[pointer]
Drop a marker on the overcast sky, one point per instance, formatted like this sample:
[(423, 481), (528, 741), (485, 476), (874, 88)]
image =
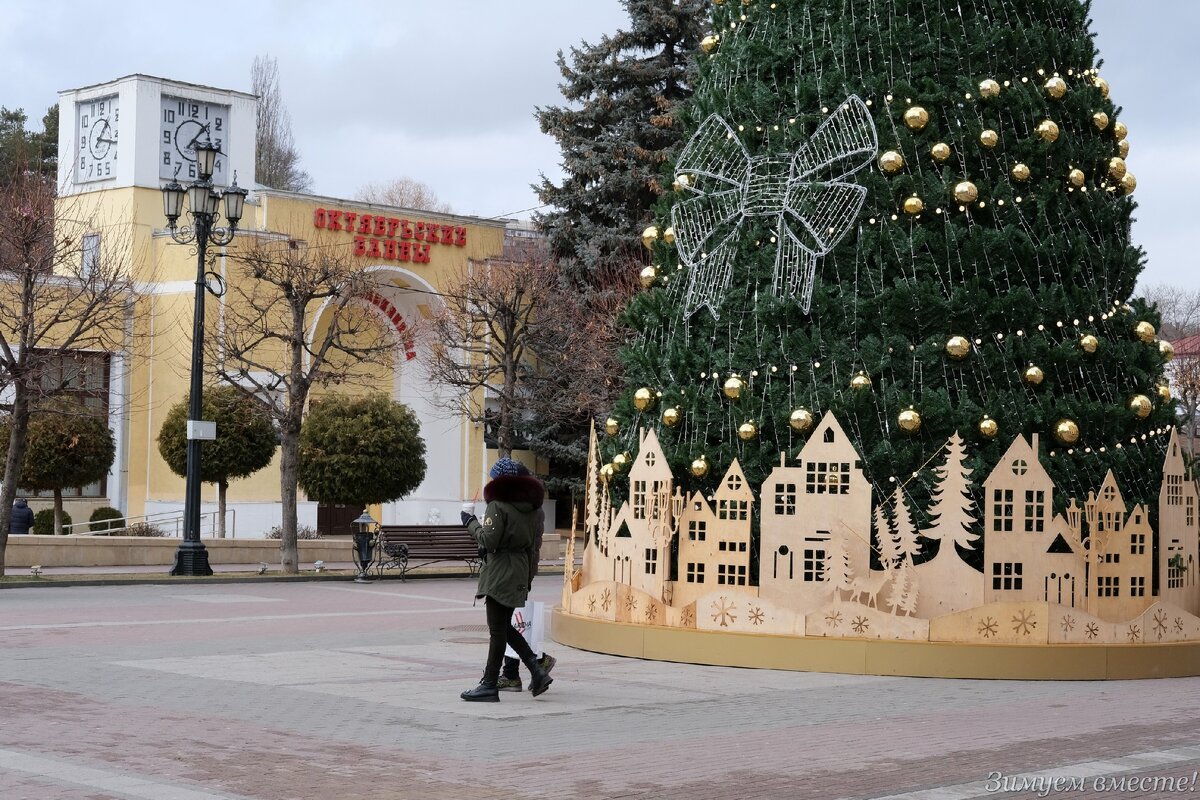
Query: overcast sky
[(444, 91)]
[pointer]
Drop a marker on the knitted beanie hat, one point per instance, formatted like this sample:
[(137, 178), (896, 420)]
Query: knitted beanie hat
[(504, 467)]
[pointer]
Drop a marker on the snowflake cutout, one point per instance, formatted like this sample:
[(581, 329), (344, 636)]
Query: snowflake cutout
[(860, 625), (833, 619), (988, 627), (1179, 624), (723, 612), (606, 599), (1135, 633), (687, 617), (1092, 630), (757, 615), (651, 612), (1023, 622), (1160, 622), (1067, 624), (630, 603), (592, 603)]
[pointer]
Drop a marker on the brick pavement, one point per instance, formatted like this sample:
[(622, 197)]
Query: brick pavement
[(330, 689)]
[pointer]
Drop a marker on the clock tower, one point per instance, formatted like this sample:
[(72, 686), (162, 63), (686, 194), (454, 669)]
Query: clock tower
[(138, 131)]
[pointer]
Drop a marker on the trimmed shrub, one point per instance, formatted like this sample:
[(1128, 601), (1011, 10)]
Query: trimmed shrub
[(43, 522), (105, 518), (143, 529), (302, 532)]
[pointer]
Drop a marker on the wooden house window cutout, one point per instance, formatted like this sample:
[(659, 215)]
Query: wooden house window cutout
[(785, 499), (651, 561)]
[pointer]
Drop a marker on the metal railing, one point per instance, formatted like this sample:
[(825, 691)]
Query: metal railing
[(169, 522)]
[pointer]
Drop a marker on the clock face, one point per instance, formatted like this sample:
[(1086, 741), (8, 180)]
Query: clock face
[(97, 131), (184, 122)]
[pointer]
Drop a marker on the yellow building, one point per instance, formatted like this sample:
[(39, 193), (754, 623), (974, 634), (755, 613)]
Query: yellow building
[(119, 143)]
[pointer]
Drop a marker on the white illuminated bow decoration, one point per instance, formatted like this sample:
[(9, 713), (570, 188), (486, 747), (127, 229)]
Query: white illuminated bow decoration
[(807, 194)]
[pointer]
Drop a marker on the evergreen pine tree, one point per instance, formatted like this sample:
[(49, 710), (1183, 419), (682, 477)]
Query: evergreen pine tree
[(951, 173), (953, 510)]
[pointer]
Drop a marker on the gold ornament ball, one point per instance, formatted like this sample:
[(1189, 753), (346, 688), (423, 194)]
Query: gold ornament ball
[(989, 88), (860, 382), (1129, 183), (966, 192), (710, 43), (1102, 85), (668, 236), (1088, 343), (1120, 131), (1166, 350), (1034, 375), (700, 467), (643, 399), (988, 428), (733, 387), (958, 347), (1164, 393), (891, 162), (1116, 168), (620, 461), (1056, 88), (913, 206), (1100, 120), (1066, 431), (649, 237), (1047, 130), (1140, 405), (1145, 331), (910, 420), (940, 152), (648, 276), (671, 416), (747, 431), (607, 472), (1123, 148), (801, 420), (989, 138), (611, 426), (1076, 178), (1020, 172), (916, 118), (684, 180)]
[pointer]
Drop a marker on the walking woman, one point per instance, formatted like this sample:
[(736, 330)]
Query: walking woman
[(507, 533)]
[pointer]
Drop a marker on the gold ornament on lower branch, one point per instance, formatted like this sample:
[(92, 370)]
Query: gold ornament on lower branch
[(671, 416), (649, 237), (1141, 406), (1076, 178), (1056, 88), (1166, 350), (966, 192), (1120, 131), (733, 387), (891, 162), (1145, 331), (644, 399), (909, 420), (700, 466), (801, 420), (916, 118), (1020, 172), (989, 138), (1117, 168), (860, 382), (1047, 131), (1164, 392), (1088, 343), (913, 206), (940, 152), (989, 88), (988, 428), (648, 276), (958, 347), (748, 431), (1034, 375), (611, 426), (1100, 120), (620, 461), (1129, 183), (1066, 431), (607, 472), (710, 43)]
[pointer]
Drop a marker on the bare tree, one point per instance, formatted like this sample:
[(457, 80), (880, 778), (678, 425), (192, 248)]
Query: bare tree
[(476, 343), (1179, 309), (66, 288), (404, 193), (296, 318), (276, 162)]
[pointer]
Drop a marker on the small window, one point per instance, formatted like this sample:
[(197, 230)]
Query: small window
[(91, 254)]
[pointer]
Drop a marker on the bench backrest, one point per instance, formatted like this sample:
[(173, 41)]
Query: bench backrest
[(430, 539)]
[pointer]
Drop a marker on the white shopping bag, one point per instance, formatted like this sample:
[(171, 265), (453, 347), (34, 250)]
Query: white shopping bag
[(528, 622)]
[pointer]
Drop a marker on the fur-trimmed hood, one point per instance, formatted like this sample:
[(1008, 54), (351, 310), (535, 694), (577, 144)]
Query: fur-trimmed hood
[(515, 489)]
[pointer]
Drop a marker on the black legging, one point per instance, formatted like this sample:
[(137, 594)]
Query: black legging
[(501, 632)]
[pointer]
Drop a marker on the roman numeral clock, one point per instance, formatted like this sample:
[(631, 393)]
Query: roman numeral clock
[(183, 123)]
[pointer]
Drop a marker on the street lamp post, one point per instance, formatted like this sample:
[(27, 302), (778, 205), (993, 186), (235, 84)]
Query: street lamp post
[(204, 205), (366, 531)]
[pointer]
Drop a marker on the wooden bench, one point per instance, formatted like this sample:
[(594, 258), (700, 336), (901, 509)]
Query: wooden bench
[(399, 545)]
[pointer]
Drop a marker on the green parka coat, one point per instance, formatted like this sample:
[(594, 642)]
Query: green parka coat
[(509, 527)]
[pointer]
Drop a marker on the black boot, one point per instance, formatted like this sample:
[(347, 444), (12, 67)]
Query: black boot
[(485, 692), (539, 678)]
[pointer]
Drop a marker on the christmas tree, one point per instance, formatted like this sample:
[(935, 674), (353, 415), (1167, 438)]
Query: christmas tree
[(915, 215)]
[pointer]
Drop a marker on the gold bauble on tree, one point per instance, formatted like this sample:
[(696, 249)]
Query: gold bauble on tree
[(916, 118), (989, 88), (891, 162), (1166, 350), (1100, 120), (1020, 172), (607, 472), (644, 399), (913, 206), (860, 382), (801, 420), (1102, 85), (1141, 406), (989, 138), (1164, 392), (1123, 148), (611, 426), (671, 416), (1129, 183), (668, 235), (1047, 130), (748, 430), (648, 276), (909, 420), (940, 152), (649, 237), (1034, 375), (1116, 168), (700, 467), (1056, 88), (966, 192), (710, 43), (1088, 343), (1076, 178), (620, 461), (958, 347), (1120, 131), (1145, 331), (1066, 431), (988, 428), (733, 387)]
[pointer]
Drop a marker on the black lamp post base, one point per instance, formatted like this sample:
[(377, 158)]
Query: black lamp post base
[(191, 561)]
